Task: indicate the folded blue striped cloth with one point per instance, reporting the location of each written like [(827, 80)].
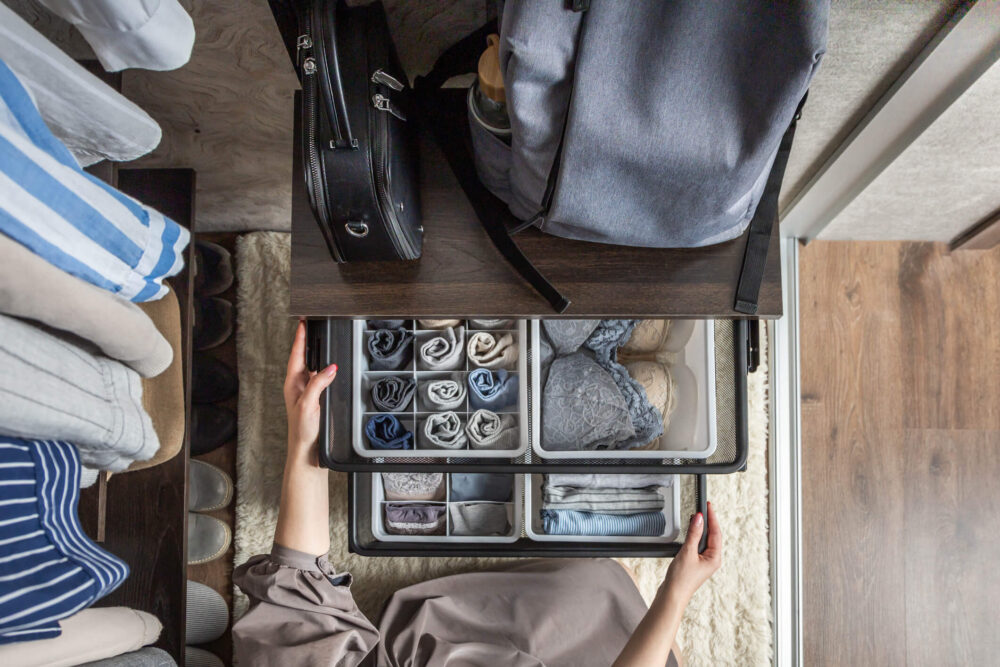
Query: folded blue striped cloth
[(593, 524), (48, 568), (74, 220)]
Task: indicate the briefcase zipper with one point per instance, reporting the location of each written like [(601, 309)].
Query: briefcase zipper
[(383, 103), (400, 239)]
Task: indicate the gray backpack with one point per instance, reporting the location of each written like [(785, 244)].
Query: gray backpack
[(645, 123)]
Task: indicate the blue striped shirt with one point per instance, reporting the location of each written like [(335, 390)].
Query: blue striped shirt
[(72, 219), (48, 568), (594, 524)]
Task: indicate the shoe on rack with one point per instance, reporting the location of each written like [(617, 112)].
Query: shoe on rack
[(213, 269), (207, 615), (213, 322), (211, 380), (209, 488), (199, 657), (211, 426), (208, 538)]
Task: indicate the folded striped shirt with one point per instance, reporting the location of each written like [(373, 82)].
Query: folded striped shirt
[(48, 568), (74, 220), (569, 522), (606, 501)]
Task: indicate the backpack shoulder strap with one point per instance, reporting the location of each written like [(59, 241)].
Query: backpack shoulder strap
[(759, 236)]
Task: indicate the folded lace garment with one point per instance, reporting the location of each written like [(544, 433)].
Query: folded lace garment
[(492, 390), (444, 352), (492, 351), (390, 349), (438, 324), (444, 431), (567, 336), (610, 480), (469, 519), (491, 324), (488, 430), (602, 500), (386, 432), (582, 407), (410, 519), (442, 395), (413, 485), (646, 419), (569, 522), (492, 486), (385, 324), (393, 393)]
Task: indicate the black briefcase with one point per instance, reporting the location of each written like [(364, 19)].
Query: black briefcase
[(359, 143)]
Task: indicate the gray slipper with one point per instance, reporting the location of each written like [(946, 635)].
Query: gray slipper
[(199, 657), (208, 538), (207, 615), (209, 488)]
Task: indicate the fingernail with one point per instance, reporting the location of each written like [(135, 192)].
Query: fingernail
[(331, 369), (698, 518)]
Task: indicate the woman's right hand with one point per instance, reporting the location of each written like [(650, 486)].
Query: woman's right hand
[(690, 569), (303, 389)]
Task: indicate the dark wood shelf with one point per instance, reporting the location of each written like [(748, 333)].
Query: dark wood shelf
[(461, 273)]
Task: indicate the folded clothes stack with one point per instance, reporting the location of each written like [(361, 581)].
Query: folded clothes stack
[(604, 505), (479, 519)]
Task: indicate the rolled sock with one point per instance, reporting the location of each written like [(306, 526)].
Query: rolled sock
[(470, 519), (393, 394), (492, 390), (569, 522), (411, 519), (386, 432), (438, 395), (487, 351), (497, 487), (444, 352), (609, 480), (390, 349), (444, 431), (488, 430), (604, 501), (385, 324), (438, 324), (413, 485), (491, 324)]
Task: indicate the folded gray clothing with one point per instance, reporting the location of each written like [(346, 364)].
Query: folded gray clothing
[(603, 501), (413, 519), (444, 431), (385, 324), (438, 324), (492, 486), (471, 519), (488, 430), (149, 656), (389, 349), (438, 395), (53, 389), (567, 336), (487, 350), (646, 419), (393, 393), (491, 324), (582, 407), (33, 289), (413, 485), (610, 480), (444, 352)]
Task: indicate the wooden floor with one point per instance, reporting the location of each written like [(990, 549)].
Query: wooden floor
[(901, 454)]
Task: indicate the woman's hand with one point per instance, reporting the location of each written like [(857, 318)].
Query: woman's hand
[(302, 392), (690, 569)]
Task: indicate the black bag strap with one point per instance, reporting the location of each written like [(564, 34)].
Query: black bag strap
[(444, 122), (759, 236)]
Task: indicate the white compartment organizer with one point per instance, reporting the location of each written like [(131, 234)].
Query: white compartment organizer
[(412, 418), (533, 513), (691, 433), (515, 515)]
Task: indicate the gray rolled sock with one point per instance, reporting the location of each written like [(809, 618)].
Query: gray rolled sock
[(393, 394), (442, 395), (488, 430), (491, 324), (444, 431), (487, 350), (444, 352), (390, 349)]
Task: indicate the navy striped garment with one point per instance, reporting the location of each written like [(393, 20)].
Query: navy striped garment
[(74, 220), (48, 568), (594, 524)]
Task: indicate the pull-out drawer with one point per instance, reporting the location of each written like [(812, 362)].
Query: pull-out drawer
[(368, 534), (707, 433)]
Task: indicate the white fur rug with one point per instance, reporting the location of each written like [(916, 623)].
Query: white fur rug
[(728, 621)]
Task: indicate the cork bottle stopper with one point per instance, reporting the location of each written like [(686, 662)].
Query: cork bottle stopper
[(490, 80)]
